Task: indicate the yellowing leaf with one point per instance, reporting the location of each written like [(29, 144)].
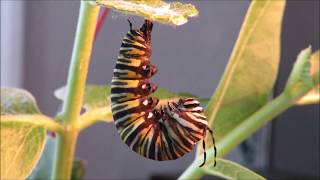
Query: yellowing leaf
[(251, 72), (312, 97), (43, 170), (22, 144), (315, 62), (174, 13), (231, 170), (23, 132)]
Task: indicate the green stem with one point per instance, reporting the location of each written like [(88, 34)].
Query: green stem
[(248, 127), (80, 61), (67, 140)]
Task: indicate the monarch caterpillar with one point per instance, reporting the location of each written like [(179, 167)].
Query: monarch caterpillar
[(159, 133)]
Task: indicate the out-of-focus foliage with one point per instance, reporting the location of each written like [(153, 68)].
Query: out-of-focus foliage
[(43, 170), (174, 13), (22, 136), (17, 101), (95, 101), (78, 169)]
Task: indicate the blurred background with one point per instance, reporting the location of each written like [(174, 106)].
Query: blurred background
[(36, 43)]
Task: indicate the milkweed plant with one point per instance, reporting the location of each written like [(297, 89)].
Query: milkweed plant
[(240, 105)]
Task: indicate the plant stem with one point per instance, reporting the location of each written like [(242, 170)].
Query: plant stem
[(80, 61), (67, 140), (248, 127)]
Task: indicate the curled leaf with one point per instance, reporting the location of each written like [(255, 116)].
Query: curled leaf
[(174, 13), (313, 96), (300, 74)]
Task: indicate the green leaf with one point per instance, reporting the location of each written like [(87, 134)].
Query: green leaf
[(174, 13), (251, 72), (96, 102), (230, 170), (17, 101), (23, 132), (313, 96), (304, 75), (78, 169), (300, 74), (20, 105), (43, 170), (22, 144)]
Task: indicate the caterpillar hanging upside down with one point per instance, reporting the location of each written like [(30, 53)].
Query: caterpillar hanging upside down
[(159, 133)]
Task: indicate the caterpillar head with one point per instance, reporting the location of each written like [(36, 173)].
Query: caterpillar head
[(146, 28)]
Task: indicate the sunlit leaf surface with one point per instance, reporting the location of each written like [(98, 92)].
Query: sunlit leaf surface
[(22, 139), (251, 72), (315, 62), (313, 97), (231, 170), (174, 13)]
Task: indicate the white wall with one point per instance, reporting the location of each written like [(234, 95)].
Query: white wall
[(12, 41)]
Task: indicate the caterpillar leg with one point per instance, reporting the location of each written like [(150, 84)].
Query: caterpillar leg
[(204, 148), (214, 146), (130, 24)]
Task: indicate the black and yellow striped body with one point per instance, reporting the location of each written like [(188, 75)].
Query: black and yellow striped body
[(159, 133)]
